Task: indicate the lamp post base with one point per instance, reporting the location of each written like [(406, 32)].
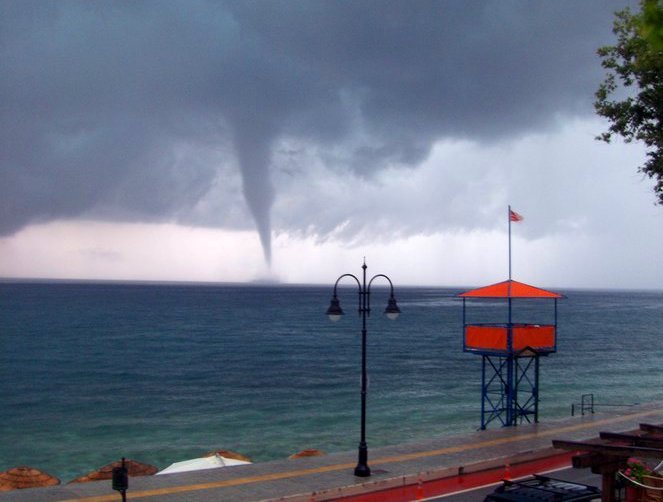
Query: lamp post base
[(362, 470)]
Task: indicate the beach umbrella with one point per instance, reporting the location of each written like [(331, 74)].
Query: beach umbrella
[(25, 477), (307, 453), (228, 454), (133, 467), (212, 461)]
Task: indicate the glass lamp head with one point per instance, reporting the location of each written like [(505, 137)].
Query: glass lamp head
[(392, 311), (334, 312)]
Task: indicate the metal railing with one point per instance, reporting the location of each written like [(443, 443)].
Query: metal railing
[(587, 405)]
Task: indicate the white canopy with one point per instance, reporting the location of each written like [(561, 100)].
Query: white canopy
[(198, 464)]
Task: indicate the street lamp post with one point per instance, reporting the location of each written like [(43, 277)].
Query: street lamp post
[(335, 312)]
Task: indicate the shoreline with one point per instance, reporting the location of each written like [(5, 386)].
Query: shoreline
[(330, 477)]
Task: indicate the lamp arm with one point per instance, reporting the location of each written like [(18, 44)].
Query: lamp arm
[(381, 275), (368, 289), (358, 285)]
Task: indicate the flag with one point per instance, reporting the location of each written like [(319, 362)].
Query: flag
[(513, 216)]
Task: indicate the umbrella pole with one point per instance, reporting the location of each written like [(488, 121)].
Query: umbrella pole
[(121, 480)]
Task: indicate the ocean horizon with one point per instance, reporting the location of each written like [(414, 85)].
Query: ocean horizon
[(277, 283), (165, 371)]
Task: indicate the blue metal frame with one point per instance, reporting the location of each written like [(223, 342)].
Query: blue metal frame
[(503, 381), (509, 379)]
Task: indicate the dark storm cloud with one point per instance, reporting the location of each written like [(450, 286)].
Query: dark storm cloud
[(101, 99)]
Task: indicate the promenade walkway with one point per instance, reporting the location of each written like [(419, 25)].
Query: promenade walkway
[(407, 469)]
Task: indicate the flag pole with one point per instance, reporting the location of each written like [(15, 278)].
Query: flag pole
[(511, 392), (508, 217)]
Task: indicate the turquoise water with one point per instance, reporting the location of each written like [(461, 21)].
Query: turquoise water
[(162, 373)]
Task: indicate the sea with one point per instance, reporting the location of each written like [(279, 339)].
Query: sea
[(94, 371)]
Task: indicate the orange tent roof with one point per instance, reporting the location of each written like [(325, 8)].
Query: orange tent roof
[(510, 289)]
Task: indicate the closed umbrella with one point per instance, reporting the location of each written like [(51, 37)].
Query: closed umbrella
[(25, 477)]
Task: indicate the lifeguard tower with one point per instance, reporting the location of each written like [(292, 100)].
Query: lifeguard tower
[(510, 349), (510, 353)]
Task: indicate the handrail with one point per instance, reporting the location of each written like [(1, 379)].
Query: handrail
[(587, 404)]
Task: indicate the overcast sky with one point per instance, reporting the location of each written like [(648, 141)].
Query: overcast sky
[(286, 140)]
